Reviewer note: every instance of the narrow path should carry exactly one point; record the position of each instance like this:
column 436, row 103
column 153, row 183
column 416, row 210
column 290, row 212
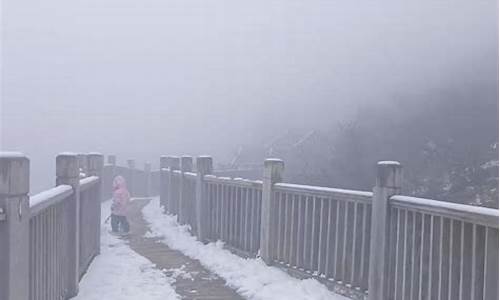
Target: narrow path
column 193, row 281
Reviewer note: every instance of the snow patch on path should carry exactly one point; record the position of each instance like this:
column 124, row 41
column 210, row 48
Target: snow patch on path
column 251, row 278
column 119, row 273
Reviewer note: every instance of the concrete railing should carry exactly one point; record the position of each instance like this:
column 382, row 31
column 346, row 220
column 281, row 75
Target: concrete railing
column 234, row 212
column 48, row 240
column 374, row 245
column 324, row 232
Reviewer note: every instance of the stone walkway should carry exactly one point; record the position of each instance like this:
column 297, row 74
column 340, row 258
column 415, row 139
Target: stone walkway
column 193, row 281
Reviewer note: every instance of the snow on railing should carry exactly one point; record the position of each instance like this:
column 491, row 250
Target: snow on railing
column 88, row 182
column 43, row 200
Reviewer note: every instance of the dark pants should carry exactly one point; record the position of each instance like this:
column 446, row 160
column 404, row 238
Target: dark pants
column 119, row 223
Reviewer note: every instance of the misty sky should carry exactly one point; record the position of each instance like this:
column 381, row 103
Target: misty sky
column 150, row 77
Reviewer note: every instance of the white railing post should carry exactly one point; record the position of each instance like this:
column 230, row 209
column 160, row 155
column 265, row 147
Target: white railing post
column 67, row 172
column 389, row 176
column 163, row 182
column 273, row 173
column 131, row 179
column 172, row 199
column 204, row 166
column 147, row 180
column 186, row 166
column 14, row 226
column 95, row 168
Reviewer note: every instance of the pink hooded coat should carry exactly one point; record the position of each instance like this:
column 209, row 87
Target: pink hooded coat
column 121, row 197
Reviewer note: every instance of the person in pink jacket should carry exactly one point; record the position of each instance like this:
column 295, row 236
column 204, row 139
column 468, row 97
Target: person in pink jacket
column 121, row 199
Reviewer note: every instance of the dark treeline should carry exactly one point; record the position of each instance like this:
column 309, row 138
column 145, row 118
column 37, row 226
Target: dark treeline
column 447, row 141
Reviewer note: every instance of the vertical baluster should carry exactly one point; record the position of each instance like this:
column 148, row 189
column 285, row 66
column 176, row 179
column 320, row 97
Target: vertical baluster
column 252, row 203
column 443, row 258
column 364, row 253
column 46, row 255
column 354, row 249
column 345, row 241
column 237, row 216
column 462, row 262
column 230, row 214
column 236, row 219
column 367, row 246
column 256, row 207
column 468, row 257
column 392, row 248
column 405, row 265
column 300, row 231
column 491, row 264
column 418, row 230
column 399, row 254
column 286, row 239
column 337, row 241
column 339, row 237
column 321, row 237
column 454, row 284
column 219, row 210
column 246, row 222
column 478, row 262
column 295, row 229
column 312, row 229
column 315, row 234
column 426, row 257
column 34, row 270
column 307, row 233
column 50, row 252
column 243, row 203
column 254, row 242
column 214, row 207
column 234, row 216
column 329, row 239
column 242, row 217
column 211, row 207
column 225, row 212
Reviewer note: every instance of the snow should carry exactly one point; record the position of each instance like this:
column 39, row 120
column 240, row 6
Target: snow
column 67, row 153
column 309, row 188
column 11, row 154
column 389, row 162
column 251, row 278
column 490, row 164
column 119, row 273
column 179, row 272
column 50, row 194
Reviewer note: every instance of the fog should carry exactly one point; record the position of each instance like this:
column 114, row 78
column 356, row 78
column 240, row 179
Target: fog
column 144, row 78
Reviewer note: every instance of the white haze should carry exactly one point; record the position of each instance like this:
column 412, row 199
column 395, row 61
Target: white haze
column 145, row 78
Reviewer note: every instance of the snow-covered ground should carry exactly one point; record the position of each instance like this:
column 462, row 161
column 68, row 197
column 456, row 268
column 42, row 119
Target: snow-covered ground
column 251, row 278
column 119, row 273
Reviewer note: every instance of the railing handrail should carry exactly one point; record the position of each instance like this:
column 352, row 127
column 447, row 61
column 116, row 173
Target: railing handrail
column 323, row 191
column 233, row 181
column 88, row 182
column 468, row 213
column 45, row 199
column 190, row 175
